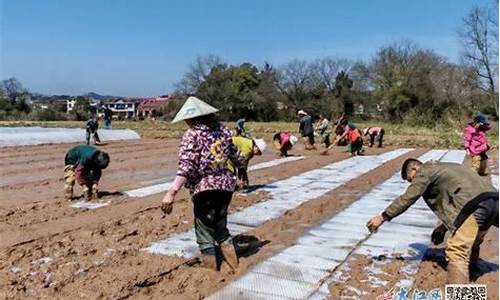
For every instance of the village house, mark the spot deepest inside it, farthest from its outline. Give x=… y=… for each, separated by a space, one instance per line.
x=150 y=107
x=123 y=108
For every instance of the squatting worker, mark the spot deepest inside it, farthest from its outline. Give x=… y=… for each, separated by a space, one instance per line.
x=465 y=203
x=205 y=152
x=283 y=141
x=84 y=164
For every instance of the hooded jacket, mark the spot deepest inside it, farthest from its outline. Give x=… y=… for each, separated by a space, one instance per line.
x=475 y=139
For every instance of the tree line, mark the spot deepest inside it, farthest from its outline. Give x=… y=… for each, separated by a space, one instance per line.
x=401 y=82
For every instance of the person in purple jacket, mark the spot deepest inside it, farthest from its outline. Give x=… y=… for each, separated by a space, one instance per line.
x=205 y=152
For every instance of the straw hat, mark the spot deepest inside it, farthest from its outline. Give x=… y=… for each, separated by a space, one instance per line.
x=192 y=108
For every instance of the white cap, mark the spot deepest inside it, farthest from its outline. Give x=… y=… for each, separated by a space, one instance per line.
x=293 y=140
x=261 y=144
x=301 y=112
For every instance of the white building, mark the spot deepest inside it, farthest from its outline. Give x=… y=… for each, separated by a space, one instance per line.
x=124 y=108
x=70 y=104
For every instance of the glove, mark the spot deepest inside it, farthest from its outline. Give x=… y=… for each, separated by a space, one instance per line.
x=438 y=234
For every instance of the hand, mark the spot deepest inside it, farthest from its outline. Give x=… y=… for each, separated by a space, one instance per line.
x=375 y=223
x=167 y=204
x=438 y=234
x=468 y=152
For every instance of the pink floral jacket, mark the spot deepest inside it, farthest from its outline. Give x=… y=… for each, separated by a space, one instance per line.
x=203 y=159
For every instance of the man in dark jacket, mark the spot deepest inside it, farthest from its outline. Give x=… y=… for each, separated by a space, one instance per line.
x=108 y=116
x=83 y=163
x=466 y=204
x=306 y=129
x=91 y=130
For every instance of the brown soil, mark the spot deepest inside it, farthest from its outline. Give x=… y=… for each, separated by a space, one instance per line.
x=432 y=270
x=49 y=250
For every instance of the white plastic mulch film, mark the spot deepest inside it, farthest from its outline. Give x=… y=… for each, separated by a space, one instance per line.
x=305 y=270
x=23 y=136
x=162 y=187
x=282 y=196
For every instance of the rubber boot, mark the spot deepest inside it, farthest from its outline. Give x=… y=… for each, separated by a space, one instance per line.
x=68 y=193
x=87 y=193
x=229 y=254
x=95 y=192
x=457 y=274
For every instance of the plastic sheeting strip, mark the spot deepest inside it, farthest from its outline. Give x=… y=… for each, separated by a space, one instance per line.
x=286 y=194
x=274 y=162
x=312 y=260
x=21 y=136
x=89 y=205
x=162 y=187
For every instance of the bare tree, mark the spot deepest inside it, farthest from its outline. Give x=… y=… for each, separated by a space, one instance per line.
x=197 y=73
x=327 y=69
x=12 y=88
x=479 y=37
x=293 y=80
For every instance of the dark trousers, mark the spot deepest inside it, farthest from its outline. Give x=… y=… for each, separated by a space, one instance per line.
x=210 y=219
x=377 y=137
x=242 y=174
x=95 y=135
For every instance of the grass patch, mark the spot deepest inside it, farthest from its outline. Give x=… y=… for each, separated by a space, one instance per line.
x=396 y=134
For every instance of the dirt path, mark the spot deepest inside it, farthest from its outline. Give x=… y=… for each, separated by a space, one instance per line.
x=52 y=251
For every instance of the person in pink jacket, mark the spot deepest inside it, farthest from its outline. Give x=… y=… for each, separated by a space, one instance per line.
x=476 y=143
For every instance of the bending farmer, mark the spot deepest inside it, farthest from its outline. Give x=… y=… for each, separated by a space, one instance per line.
x=465 y=203
x=283 y=141
x=247 y=149
x=84 y=164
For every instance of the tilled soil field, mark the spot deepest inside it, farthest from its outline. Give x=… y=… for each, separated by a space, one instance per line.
x=50 y=250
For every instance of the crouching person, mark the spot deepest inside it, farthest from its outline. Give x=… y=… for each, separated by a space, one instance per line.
x=84 y=164
x=204 y=155
x=284 y=141
x=466 y=205
x=247 y=149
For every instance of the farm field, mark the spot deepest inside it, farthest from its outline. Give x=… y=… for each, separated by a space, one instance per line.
x=50 y=249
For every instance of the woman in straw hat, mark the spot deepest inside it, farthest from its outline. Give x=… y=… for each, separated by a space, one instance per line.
x=205 y=152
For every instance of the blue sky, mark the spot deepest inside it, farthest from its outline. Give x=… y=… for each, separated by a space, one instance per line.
x=133 y=47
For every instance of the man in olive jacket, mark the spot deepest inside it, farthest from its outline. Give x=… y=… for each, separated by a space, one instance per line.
x=465 y=203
